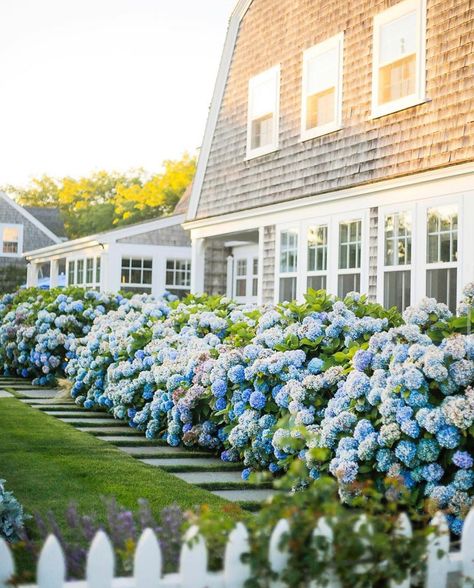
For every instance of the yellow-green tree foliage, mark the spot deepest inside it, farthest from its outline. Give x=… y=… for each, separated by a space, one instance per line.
x=105 y=200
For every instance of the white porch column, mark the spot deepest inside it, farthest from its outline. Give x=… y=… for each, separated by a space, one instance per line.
x=32 y=275
x=197 y=266
x=230 y=277
x=53 y=273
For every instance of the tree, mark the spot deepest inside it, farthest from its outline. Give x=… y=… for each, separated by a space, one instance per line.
x=105 y=200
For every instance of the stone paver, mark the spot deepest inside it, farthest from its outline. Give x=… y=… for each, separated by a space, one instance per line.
x=77 y=414
x=49 y=403
x=5 y=394
x=105 y=430
x=183 y=461
x=164 y=450
x=85 y=421
x=246 y=494
x=39 y=393
x=123 y=440
x=211 y=477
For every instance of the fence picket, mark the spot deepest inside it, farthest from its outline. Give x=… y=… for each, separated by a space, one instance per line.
x=329 y=580
x=438 y=553
x=51 y=572
x=403 y=529
x=7 y=564
x=193 y=561
x=236 y=572
x=147 y=561
x=467 y=550
x=100 y=562
x=278 y=557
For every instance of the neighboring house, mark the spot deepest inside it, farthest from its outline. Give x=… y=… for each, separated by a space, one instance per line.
x=339 y=153
x=151 y=257
x=21 y=229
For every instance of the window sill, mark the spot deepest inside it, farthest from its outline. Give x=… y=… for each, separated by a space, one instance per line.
x=393 y=107
x=256 y=153
x=320 y=132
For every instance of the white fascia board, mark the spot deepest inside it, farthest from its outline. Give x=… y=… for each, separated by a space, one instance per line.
x=219 y=89
x=30 y=217
x=104 y=238
x=251 y=218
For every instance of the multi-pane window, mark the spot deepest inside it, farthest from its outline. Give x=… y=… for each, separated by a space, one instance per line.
x=317 y=257
x=136 y=274
x=97 y=270
x=90 y=270
x=350 y=250
x=80 y=272
x=10 y=240
x=263 y=108
x=178 y=276
x=241 y=277
x=397 y=259
x=322 y=88
x=288 y=264
x=442 y=254
x=397 y=55
x=71 y=272
x=255 y=276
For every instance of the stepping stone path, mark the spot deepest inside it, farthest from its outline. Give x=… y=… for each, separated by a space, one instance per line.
x=197 y=467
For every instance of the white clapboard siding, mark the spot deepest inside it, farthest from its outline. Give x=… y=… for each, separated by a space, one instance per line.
x=193 y=565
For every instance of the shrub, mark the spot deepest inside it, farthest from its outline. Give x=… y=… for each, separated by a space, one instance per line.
x=11 y=515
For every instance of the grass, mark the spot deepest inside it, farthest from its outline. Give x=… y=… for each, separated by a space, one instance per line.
x=48 y=465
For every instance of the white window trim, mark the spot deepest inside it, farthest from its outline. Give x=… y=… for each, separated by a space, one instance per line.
x=20 y=239
x=249 y=254
x=84 y=258
x=142 y=258
x=419 y=96
x=334 y=42
x=303 y=255
x=381 y=267
x=274 y=74
x=175 y=286
x=279 y=230
x=363 y=216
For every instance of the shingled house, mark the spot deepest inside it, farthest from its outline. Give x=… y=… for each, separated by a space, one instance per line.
x=339 y=153
x=23 y=228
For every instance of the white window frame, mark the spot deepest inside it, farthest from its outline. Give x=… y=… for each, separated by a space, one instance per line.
x=363 y=270
x=385 y=211
x=20 y=239
x=336 y=42
x=168 y=286
x=274 y=75
x=249 y=254
x=397 y=11
x=278 y=274
x=305 y=273
x=85 y=284
x=142 y=258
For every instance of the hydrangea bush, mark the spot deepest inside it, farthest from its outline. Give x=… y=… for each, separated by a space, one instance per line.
x=12 y=518
x=343 y=387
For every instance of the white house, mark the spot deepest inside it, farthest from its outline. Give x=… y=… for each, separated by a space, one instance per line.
x=150 y=257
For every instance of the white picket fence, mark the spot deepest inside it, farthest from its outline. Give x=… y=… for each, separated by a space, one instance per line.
x=193 y=573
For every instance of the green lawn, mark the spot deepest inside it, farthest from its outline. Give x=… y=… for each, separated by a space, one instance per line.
x=48 y=464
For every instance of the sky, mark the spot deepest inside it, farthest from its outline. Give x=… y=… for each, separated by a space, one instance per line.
x=104 y=84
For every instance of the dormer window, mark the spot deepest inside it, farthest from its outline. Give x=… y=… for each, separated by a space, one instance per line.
x=399 y=58
x=263 y=113
x=322 y=88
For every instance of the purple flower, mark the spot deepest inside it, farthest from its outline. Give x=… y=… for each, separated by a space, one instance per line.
x=463 y=459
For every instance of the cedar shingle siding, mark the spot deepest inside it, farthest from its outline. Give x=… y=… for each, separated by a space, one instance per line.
x=434 y=134
x=174 y=236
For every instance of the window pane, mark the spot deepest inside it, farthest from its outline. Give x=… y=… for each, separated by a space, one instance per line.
x=262 y=131
x=255 y=287
x=241 y=287
x=263 y=97
x=70 y=272
x=80 y=271
x=289 y=251
x=317 y=248
x=442 y=285
x=90 y=270
x=321 y=108
x=97 y=270
x=348 y=283
x=287 y=289
x=147 y=276
x=241 y=267
x=350 y=244
x=317 y=282
x=442 y=237
x=397 y=79
x=398 y=239
x=398 y=38
x=255 y=266
x=397 y=289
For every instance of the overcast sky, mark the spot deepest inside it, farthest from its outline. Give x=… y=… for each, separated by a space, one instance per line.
x=104 y=84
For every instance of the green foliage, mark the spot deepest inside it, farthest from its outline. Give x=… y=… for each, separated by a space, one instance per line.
x=12 y=276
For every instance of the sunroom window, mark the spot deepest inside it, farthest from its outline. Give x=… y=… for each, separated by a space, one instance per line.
x=350 y=249
x=263 y=113
x=80 y=272
x=178 y=276
x=288 y=264
x=71 y=272
x=322 y=88
x=398 y=60
x=442 y=254
x=136 y=274
x=317 y=257
x=90 y=270
x=397 y=259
